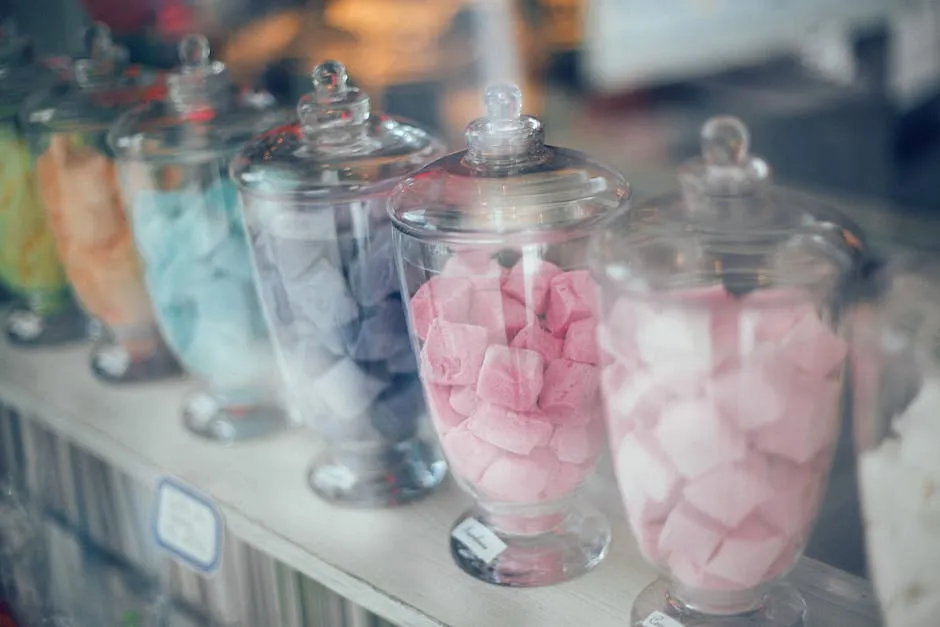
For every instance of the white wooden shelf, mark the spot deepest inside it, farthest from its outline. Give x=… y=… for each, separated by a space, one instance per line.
x=395 y=563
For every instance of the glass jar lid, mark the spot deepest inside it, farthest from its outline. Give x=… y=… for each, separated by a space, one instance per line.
x=202 y=117
x=337 y=145
x=730 y=225
x=507 y=182
x=100 y=88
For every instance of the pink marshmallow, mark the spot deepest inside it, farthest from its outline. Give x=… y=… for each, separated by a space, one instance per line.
x=578 y=445
x=463 y=400
x=633 y=400
x=616 y=336
x=442 y=413
x=528 y=282
x=647 y=539
x=694 y=438
x=511 y=377
x=509 y=430
x=468 y=455
x=813 y=347
x=689 y=534
x=810 y=425
x=746 y=554
x=570 y=392
x=478 y=266
x=453 y=353
x=750 y=397
x=730 y=492
x=789 y=509
x=503 y=317
x=649 y=483
x=519 y=479
x=571 y=297
x=581 y=342
x=565 y=480
x=534 y=338
x=441 y=297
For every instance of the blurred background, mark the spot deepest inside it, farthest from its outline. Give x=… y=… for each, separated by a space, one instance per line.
x=842 y=96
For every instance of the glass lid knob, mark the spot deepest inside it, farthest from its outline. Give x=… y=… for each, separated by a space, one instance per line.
x=199 y=84
x=194 y=53
x=335 y=116
x=725 y=141
x=504 y=137
x=102 y=58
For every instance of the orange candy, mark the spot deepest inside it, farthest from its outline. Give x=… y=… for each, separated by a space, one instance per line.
x=80 y=191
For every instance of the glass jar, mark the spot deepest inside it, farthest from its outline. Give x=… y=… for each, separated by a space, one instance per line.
x=313 y=194
x=77 y=181
x=44 y=312
x=896 y=376
x=491 y=245
x=173 y=159
x=720 y=336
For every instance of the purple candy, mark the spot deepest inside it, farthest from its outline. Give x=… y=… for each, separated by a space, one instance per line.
x=384 y=334
x=372 y=277
x=294 y=257
x=322 y=297
x=403 y=362
x=395 y=414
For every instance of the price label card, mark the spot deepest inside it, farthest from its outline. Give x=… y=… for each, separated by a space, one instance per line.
x=188 y=526
x=479 y=540
x=658 y=619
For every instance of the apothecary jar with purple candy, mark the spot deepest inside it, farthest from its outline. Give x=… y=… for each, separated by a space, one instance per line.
x=314 y=194
x=173 y=162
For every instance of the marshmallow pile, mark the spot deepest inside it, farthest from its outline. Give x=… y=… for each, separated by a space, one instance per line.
x=28 y=260
x=722 y=414
x=332 y=298
x=900 y=487
x=198 y=270
x=83 y=204
x=509 y=365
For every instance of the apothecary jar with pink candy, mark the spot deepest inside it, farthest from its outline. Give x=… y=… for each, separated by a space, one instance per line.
x=313 y=194
x=77 y=183
x=723 y=359
x=491 y=245
x=896 y=370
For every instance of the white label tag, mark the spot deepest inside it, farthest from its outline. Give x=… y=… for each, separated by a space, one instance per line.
x=658 y=619
x=479 y=540
x=188 y=526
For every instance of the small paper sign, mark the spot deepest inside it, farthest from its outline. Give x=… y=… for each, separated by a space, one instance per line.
x=479 y=540
x=188 y=526
x=658 y=619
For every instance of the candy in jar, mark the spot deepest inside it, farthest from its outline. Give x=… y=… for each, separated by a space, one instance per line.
x=491 y=245
x=173 y=159
x=77 y=182
x=722 y=379
x=314 y=195
x=896 y=377
x=29 y=266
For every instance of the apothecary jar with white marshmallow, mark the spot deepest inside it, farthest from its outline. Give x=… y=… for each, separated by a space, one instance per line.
x=896 y=370
x=492 y=251
x=313 y=193
x=722 y=352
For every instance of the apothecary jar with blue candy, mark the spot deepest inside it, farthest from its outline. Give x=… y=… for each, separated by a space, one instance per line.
x=173 y=157
x=313 y=194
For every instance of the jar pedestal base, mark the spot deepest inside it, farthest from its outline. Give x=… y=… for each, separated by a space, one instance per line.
x=207 y=416
x=112 y=362
x=377 y=477
x=780 y=606
x=26 y=328
x=543 y=547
